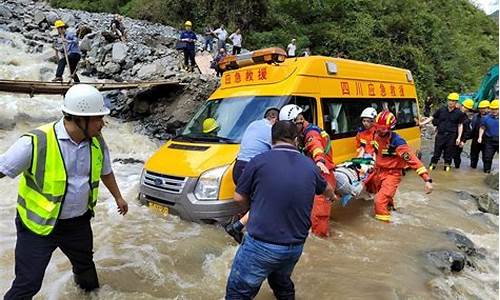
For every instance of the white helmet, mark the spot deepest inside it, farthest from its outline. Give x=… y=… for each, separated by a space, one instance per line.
x=369 y=112
x=289 y=112
x=85 y=101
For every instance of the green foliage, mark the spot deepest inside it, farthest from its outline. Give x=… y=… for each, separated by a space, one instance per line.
x=448 y=45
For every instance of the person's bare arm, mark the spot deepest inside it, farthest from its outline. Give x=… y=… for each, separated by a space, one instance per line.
x=481 y=133
x=460 y=131
x=242 y=200
x=329 y=193
x=426 y=121
x=110 y=182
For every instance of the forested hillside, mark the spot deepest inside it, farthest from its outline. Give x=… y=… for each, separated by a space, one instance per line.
x=447 y=44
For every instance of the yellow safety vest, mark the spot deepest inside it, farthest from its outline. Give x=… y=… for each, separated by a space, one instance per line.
x=42 y=187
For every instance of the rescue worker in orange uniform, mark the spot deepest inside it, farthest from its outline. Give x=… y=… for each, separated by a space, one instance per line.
x=316 y=144
x=393 y=155
x=365 y=134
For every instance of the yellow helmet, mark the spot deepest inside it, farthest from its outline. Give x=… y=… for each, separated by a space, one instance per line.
x=494 y=104
x=453 y=96
x=484 y=104
x=188 y=23
x=209 y=125
x=59 y=23
x=468 y=103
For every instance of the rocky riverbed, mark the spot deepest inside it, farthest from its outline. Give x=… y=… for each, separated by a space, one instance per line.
x=148 y=54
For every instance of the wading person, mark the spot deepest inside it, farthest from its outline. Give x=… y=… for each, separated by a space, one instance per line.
x=61 y=165
x=449 y=121
x=488 y=133
x=475 y=147
x=189 y=37
x=67 y=51
x=466 y=108
x=393 y=155
x=365 y=134
x=256 y=140
x=282 y=184
x=316 y=144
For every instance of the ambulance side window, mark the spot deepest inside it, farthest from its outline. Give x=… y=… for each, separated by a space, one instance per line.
x=342 y=116
x=308 y=104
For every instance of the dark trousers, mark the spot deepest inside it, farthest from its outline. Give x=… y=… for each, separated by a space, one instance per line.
x=73 y=59
x=475 y=149
x=490 y=148
x=189 y=56
x=236 y=50
x=457 y=156
x=33 y=253
x=255 y=261
x=239 y=166
x=444 y=144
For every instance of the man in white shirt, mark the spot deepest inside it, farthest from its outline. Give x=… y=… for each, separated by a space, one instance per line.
x=290 y=49
x=221 y=34
x=236 y=40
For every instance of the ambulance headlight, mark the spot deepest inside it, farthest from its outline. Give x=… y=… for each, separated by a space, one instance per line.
x=208 y=184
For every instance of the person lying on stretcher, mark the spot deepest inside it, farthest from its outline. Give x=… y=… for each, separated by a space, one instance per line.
x=350 y=177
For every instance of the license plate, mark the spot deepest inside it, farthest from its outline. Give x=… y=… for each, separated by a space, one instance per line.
x=162 y=210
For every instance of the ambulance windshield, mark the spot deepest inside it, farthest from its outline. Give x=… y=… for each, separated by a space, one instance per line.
x=225 y=120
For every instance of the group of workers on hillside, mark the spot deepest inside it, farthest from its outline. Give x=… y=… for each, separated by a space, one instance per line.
x=67 y=47
x=459 y=122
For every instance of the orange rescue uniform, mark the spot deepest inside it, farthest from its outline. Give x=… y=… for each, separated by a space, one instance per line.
x=317 y=146
x=393 y=155
x=364 y=139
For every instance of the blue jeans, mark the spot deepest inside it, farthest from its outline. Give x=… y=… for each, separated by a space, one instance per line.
x=255 y=261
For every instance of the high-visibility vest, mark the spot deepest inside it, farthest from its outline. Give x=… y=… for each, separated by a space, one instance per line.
x=42 y=187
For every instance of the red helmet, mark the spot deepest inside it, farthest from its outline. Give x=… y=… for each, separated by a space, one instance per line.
x=386 y=119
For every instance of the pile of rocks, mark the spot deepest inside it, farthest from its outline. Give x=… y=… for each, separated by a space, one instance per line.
x=148 y=54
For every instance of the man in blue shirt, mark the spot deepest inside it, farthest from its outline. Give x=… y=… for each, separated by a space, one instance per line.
x=282 y=184
x=67 y=44
x=256 y=140
x=189 y=37
x=489 y=132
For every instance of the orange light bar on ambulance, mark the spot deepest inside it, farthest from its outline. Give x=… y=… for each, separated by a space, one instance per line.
x=268 y=55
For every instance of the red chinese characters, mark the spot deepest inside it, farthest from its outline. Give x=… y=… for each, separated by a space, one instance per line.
x=371 y=89
x=344 y=85
x=382 y=90
x=237 y=77
x=359 y=89
x=392 y=89
x=401 y=90
x=249 y=76
x=262 y=74
x=227 y=79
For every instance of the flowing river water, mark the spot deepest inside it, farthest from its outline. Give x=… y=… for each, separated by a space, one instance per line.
x=147 y=256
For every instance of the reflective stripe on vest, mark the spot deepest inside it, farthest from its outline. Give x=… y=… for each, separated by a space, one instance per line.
x=43 y=186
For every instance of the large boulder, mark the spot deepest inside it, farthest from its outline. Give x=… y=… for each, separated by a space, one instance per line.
x=111 y=68
x=446 y=260
x=491 y=180
x=462 y=242
x=119 y=52
x=5 y=12
x=51 y=17
x=488 y=203
x=39 y=17
x=86 y=43
x=149 y=71
x=68 y=19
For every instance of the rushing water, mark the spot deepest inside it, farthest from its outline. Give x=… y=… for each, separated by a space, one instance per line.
x=147 y=256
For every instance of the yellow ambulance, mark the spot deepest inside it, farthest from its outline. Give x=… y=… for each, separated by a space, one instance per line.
x=191 y=174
